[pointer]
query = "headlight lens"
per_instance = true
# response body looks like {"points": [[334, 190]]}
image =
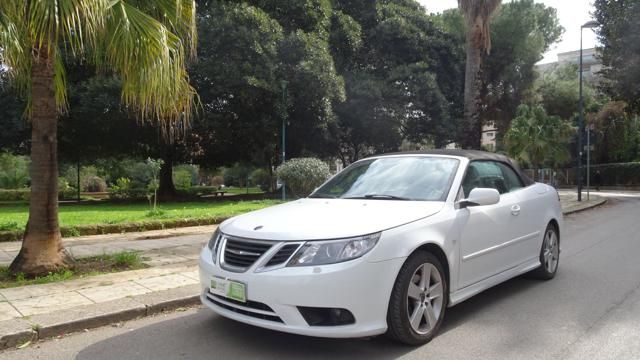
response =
{"points": [[213, 243], [333, 251]]}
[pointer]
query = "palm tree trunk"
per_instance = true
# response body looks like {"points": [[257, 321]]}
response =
{"points": [[42, 250], [472, 84]]}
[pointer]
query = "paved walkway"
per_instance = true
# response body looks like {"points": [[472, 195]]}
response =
{"points": [[570, 203], [172, 260]]}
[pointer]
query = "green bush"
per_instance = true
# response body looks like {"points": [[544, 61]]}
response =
{"points": [[93, 184], [15, 194], [65, 190], [237, 175], [303, 175], [261, 178], [14, 171], [121, 189], [198, 190], [621, 174], [182, 179]]}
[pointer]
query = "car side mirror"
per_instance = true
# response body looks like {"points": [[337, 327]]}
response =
{"points": [[480, 197]]}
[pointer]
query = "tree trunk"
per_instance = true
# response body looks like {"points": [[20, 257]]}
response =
{"points": [[167, 189], [42, 250], [472, 84]]}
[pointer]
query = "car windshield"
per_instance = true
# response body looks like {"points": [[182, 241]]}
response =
{"points": [[393, 178]]}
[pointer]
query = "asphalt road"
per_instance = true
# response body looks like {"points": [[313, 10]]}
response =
{"points": [[591, 310]]}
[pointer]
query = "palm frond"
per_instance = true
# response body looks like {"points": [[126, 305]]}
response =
{"points": [[150, 60]]}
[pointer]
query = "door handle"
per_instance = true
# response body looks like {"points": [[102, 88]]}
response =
{"points": [[515, 210]]}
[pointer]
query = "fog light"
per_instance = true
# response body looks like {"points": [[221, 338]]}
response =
{"points": [[315, 316]]}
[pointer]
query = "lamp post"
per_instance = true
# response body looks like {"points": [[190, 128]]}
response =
{"points": [[283, 84], [588, 25]]}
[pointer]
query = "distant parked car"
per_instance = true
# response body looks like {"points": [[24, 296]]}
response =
{"points": [[385, 246]]}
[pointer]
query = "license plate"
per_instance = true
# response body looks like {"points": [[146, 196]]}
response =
{"points": [[228, 288]]}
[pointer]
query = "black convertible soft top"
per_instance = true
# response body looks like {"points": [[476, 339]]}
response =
{"points": [[472, 155]]}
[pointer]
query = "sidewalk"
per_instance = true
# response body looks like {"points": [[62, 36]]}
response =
{"points": [[570, 204], [41, 311], [36, 312]]}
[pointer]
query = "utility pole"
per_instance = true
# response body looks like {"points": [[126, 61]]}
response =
{"points": [[284, 132], [589, 25]]}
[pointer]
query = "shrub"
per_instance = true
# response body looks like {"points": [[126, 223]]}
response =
{"points": [[94, 184], [66, 191], [236, 175], [15, 194], [182, 179], [121, 189], [217, 181], [199, 190], [186, 175], [303, 175], [261, 179], [14, 171]]}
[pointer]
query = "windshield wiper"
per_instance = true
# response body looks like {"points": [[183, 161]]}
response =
{"points": [[378, 197]]}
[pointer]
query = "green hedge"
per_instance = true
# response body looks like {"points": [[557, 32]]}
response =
{"points": [[15, 194], [82, 230], [620, 174], [25, 194]]}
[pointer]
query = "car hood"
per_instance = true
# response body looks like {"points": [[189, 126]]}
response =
{"points": [[314, 219]]}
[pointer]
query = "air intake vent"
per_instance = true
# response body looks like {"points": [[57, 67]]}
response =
{"points": [[283, 254]]}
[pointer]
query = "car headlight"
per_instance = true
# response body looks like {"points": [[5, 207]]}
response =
{"points": [[214, 242], [333, 251]]}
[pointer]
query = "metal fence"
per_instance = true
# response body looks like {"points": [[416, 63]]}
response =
{"points": [[618, 175]]}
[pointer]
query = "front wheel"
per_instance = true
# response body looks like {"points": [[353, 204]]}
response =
{"points": [[549, 254], [418, 300]]}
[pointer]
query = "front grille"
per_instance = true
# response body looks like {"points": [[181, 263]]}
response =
{"points": [[241, 308], [241, 253], [250, 304], [283, 254]]}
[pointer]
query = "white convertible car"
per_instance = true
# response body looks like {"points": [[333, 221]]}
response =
{"points": [[385, 246]]}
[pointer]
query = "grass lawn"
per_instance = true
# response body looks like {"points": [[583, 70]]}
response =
{"points": [[14, 216], [89, 266]]}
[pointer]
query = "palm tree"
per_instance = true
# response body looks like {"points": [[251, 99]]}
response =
{"points": [[144, 42], [537, 139], [477, 14]]}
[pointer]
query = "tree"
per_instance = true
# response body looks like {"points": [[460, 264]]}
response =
{"points": [[619, 36], [558, 92], [403, 80], [144, 43], [522, 31], [477, 14], [536, 138], [616, 134]]}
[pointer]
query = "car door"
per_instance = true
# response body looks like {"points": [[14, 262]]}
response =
{"points": [[488, 240]]}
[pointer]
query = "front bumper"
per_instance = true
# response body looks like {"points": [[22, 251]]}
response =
{"points": [[359, 286]]}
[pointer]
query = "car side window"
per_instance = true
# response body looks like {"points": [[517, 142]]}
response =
{"points": [[511, 179], [490, 174]]}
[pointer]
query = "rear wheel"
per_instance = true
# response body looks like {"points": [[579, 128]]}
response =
{"points": [[549, 254], [418, 300]]}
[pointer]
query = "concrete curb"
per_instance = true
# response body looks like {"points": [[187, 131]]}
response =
{"points": [[599, 202], [16, 332]]}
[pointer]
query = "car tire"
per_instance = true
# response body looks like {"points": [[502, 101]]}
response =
{"points": [[425, 305], [549, 254]]}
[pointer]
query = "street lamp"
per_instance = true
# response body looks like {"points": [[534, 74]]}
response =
{"points": [[283, 84], [588, 25]]}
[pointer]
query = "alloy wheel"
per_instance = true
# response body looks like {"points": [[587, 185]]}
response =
{"points": [[550, 251], [425, 298]]}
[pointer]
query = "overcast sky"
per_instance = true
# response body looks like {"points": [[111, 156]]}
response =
{"points": [[572, 14]]}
